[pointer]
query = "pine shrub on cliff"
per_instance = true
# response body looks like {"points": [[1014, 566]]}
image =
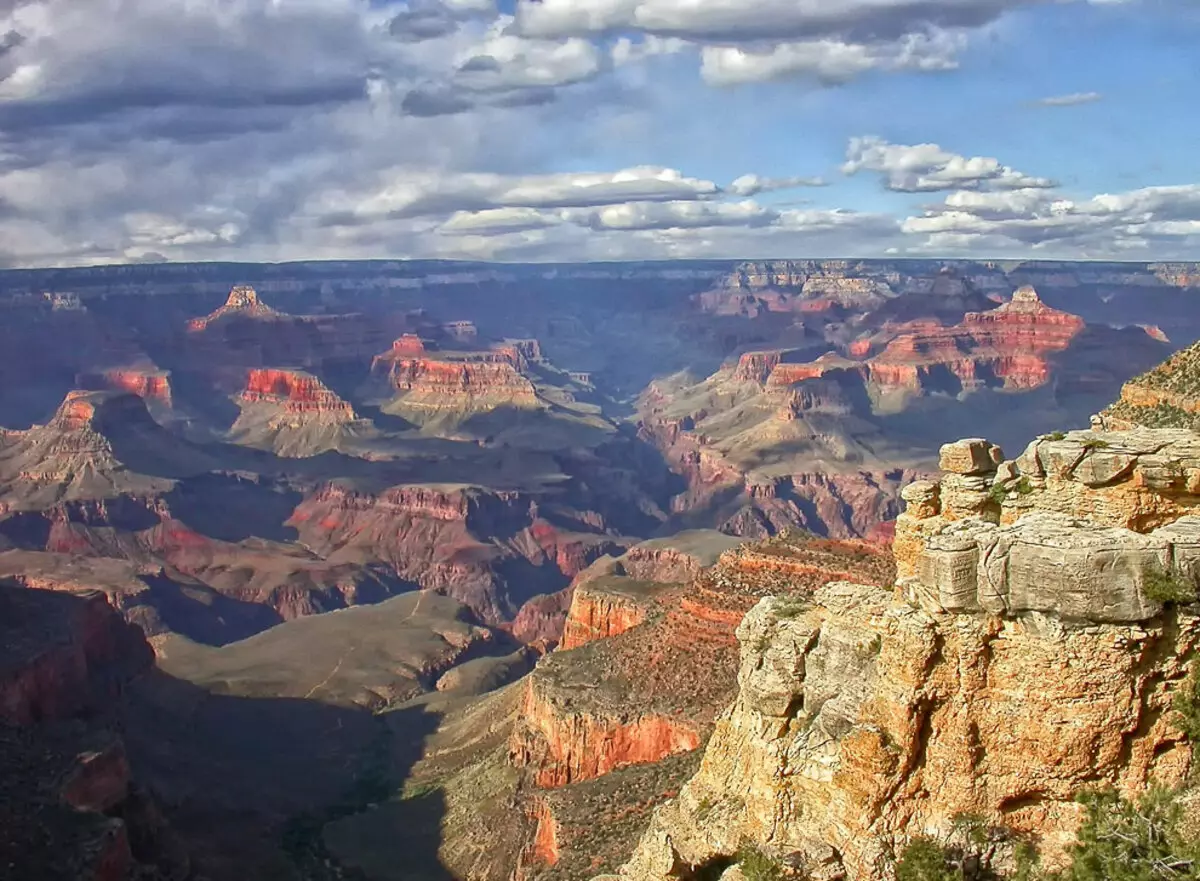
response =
{"points": [[1150, 839], [758, 866]]}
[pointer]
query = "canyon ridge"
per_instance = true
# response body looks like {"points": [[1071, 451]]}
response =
{"points": [[415, 569]]}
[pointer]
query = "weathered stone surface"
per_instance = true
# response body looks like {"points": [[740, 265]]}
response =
{"points": [[901, 720], [771, 681], [972, 455], [1100, 467], [923, 498], [966, 496]]}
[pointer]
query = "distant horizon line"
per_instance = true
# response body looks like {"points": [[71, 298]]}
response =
{"points": [[711, 261]]}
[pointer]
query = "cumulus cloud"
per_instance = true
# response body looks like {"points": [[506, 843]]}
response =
{"points": [[1162, 218], [829, 61], [753, 184], [927, 168], [723, 21], [1070, 100], [410, 195], [505, 61]]}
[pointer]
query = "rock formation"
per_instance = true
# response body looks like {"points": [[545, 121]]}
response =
{"points": [[293, 414], [75, 455], [466, 542], [865, 717], [449, 381], [243, 302], [71, 806], [147, 382], [1166, 397]]}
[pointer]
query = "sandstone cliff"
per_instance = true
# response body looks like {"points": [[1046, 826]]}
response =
{"points": [[1023, 656], [71, 807], [1166, 397], [294, 414], [454, 381]]}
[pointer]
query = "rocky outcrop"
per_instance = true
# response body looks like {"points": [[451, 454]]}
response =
{"points": [[73, 455], [294, 414], [243, 302], [568, 745], [1008, 346], [861, 721], [473, 544], [71, 806], [865, 717], [1166, 397], [598, 613], [295, 391], [245, 332], [147, 382], [483, 381]]}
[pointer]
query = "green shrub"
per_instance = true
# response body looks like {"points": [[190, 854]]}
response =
{"points": [[924, 859], [1122, 840], [1094, 443], [757, 866], [1187, 705], [1166, 587], [1057, 435], [790, 607]]}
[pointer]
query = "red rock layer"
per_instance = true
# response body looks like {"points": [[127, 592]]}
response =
{"points": [[243, 300], [295, 391], [756, 366], [145, 382], [59, 677], [598, 615], [1008, 346], [449, 382], [582, 746]]}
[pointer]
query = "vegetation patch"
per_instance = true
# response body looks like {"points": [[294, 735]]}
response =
{"points": [[1187, 705], [758, 866], [1167, 587], [1119, 840]]}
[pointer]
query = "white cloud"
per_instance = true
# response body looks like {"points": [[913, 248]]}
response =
{"points": [[429, 194], [753, 184], [1070, 100], [677, 215], [740, 20], [627, 51], [927, 168], [1165, 220], [504, 60], [831, 61]]}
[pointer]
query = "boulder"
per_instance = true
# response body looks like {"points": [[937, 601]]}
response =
{"points": [[922, 499], [973, 455]]}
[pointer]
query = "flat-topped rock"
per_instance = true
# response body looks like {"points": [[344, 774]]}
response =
{"points": [[1049, 563], [973, 455]]}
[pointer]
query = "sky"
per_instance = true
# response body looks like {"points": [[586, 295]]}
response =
{"points": [[534, 130]]}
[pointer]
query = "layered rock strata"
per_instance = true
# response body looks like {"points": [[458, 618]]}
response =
{"points": [[1023, 657]]}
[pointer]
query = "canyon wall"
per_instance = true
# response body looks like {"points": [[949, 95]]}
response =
{"points": [[71, 806], [1021, 658]]}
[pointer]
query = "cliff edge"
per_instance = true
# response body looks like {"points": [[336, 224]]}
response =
{"points": [[1027, 653]]}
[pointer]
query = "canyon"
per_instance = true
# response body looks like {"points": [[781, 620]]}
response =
{"points": [[489, 545]]}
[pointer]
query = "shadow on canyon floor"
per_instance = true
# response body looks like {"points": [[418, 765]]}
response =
{"points": [[250, 783]]}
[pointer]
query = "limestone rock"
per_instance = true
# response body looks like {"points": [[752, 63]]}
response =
{"points": [[896, 714], [970, 456], [921, 498]]}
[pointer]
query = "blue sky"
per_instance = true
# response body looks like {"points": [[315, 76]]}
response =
{"points": [[135, 130]]}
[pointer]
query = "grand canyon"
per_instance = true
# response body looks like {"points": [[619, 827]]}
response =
{"points": [[387, 570]]}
